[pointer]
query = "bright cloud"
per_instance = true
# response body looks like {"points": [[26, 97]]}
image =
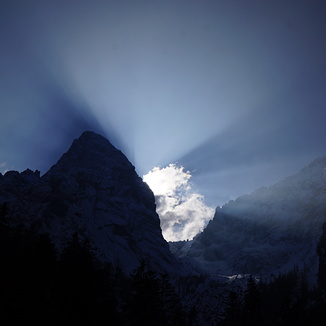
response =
{"points": [[182, 211], [2, 167]]}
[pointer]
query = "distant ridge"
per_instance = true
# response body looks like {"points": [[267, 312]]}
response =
{"points": [[268, 231]]}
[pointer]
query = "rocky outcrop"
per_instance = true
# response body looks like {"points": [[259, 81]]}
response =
{"points": [[268, 231], [93, 190]]}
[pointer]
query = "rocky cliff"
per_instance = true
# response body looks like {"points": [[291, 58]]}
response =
{"points": [[94, 191], [268, 231]]}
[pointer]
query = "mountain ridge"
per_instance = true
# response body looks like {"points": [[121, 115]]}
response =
{"points": [[93, 190], [268, 231], [111, 259]]}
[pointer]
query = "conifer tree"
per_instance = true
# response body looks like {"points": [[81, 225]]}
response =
{"points": [[76, 283], [232, 310], [321, 250], [146, 304], [252, 315]]}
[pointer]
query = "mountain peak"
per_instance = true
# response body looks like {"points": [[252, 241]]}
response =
{"points": [[91, 136], [270, 230], [90, 151], [318, 165], [318, 161], [93, 160], [312, 174], [95, 191]]}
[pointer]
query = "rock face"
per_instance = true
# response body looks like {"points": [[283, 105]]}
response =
{"points": [[267, 231], [93, 190]]}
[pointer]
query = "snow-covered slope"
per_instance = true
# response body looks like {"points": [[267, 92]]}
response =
{"points": [[93, 190], [267, 231]]}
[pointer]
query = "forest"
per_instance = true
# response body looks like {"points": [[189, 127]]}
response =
{"points": [[40, 286]]}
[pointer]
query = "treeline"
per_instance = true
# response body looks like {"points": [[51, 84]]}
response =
{"points": [[40, 287], [287, 300]]}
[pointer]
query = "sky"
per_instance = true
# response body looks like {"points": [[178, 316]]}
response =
{"points": [[231, 91]]}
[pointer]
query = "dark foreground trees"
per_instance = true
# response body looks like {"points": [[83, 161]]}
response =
{"points": [[38, 286], [285, 301]]}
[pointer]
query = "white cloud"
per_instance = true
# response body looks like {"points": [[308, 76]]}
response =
{"points": [[182, 211], [2, 166]]}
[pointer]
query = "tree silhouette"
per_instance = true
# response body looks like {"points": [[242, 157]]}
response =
{"points": [[252, 314], [170, 302], [28, 265], [321, 250], [145, 307], [76, 283], [232, 315]]}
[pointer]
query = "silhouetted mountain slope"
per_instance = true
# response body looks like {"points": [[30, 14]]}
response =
{"points": [[267, 231], [94, 209], [93, 190]]}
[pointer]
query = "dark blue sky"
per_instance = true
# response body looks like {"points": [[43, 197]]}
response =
{"points": [[233, 90]]}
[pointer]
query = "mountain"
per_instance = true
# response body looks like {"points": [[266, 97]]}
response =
{"points": [[92, 191], [92, 203], [268, 231]]}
